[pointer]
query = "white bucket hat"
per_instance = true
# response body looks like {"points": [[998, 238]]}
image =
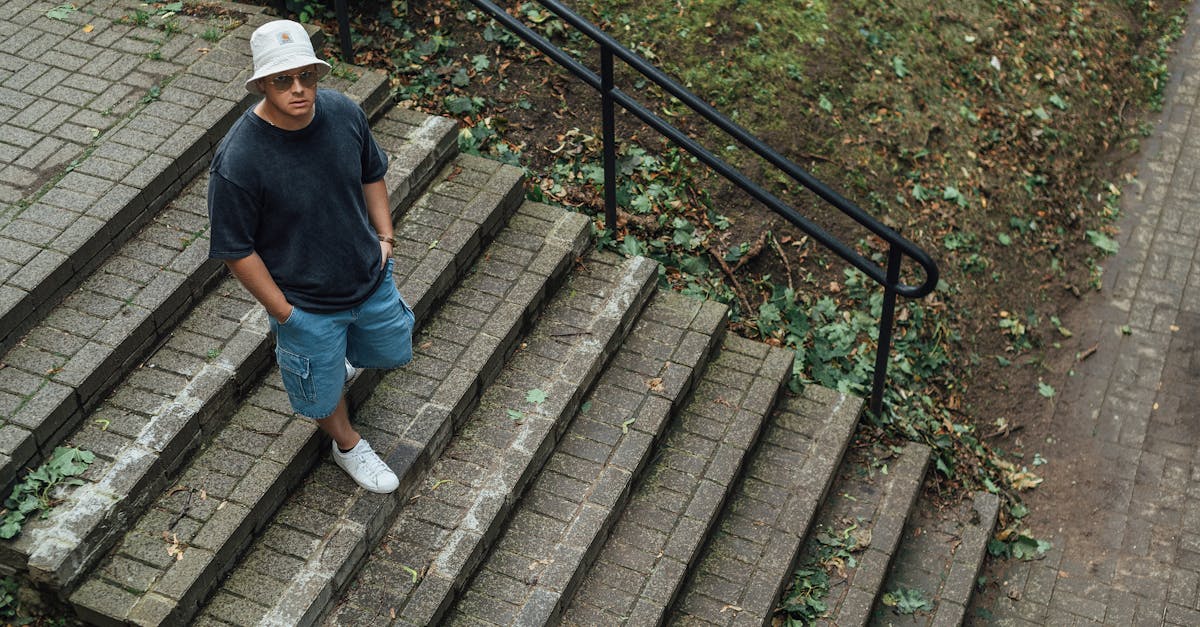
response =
{"points": [[280, 46]]}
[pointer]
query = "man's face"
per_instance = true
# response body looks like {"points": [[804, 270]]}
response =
{"points": [[291, 93]]}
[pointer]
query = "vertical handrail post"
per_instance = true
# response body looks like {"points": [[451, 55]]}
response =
{"points": [[343, 18], [607, 106], [886, 318]]}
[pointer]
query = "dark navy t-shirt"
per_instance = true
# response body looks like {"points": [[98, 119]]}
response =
{"points": [[296, 198]]}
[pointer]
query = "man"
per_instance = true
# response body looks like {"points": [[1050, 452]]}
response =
{"points": [[299, 214]]}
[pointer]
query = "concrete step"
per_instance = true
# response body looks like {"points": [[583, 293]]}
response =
{"points": [[859, 527], [62, 367], [749, 559], [154, 419], [322, 536], [940, 557], [659, 535], [255, 459], [144, 125], [556, 530]]}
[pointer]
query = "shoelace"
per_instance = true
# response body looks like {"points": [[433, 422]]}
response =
{"points": [[370, 460]]}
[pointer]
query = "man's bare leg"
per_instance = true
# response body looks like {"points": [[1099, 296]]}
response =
{"points": [[337, 425], [364, 464]]}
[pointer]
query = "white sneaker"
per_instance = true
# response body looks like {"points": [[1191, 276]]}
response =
{"points": [[350, 370], [365, 467]]}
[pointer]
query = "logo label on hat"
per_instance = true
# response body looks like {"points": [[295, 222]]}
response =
{"points": [[285, 38]]}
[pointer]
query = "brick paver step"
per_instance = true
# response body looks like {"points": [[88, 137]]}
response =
{"points": [[62, 367], [562, 521], [152, 419], [659, 535], [940, 556], [325, 529], [859, 527], [65, 365], [235, 484], [117, 119], [323, 533], [749, 559], [254, 460]]}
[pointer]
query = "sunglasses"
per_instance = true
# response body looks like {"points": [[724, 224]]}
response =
{"points": [[283, 82]]}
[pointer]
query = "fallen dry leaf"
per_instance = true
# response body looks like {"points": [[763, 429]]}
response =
{"points": [[89, 28], [175, 548], [655, 384], [1024, 480]]}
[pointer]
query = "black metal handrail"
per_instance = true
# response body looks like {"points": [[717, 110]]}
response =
{"points": [[898, 247]]}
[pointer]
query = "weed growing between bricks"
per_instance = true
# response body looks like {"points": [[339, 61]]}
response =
{"points": [[37, 491], [998, 150]]}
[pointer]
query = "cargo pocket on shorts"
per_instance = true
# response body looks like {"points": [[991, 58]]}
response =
{"points": [[405, 355], [296, 373]]}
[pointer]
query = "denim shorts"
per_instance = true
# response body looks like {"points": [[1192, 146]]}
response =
{"points": [[312, 348]]}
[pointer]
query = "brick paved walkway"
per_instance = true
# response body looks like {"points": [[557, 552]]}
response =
{"points": [[1124, 458]]}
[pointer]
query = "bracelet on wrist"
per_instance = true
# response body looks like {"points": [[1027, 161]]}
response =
{"points": [[390, 239]]}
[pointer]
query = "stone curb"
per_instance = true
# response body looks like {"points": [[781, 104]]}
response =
{"points": [[909, 474], [941, 556], [659, 537], [57, 549], [886, 518], [318, 538], [754, 554], [968, 560], [605, 448], [266, 429]]}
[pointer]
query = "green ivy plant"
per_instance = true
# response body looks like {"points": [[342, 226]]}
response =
{"points": [[806, 601], [907, 601], [8, 597], [1022, 547], [34, 493]]}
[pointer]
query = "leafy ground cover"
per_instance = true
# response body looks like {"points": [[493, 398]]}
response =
{"points": [[35, 493], [991, 132]]}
